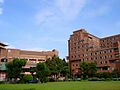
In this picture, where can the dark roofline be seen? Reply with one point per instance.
(3, 44)
(86, 32)
(110, 36)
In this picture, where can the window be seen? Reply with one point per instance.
(91, 58)
(86, 58)
(75, 56)
(76, 64)
(105, 62)
(91, 54)
(100, 57)
(105, 57)
(95, 53)
(83, 59)
(105, 51)
(111, 56)
(110, 50)
(95, 58)
(72, 56)
(83, 55)
(101, 62)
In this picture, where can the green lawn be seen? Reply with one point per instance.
(82, 85)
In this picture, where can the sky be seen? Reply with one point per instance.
(47, 24)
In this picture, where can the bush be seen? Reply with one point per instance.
(115, 79)
(27, 78)
(2, 82)
(94, 79)
(45, 79)
(108, 79)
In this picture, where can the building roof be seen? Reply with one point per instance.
(2, 44)
(110, 36)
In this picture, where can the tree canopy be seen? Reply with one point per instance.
(42, 71)
(57, 66)
(14, 68)
(88, 69)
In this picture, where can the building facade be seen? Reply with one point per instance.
(32, 57)
(83, 46)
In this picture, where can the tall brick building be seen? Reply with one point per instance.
(83, 46)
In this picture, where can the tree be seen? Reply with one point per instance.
(115, 74)
(27, 78)
(57, 67)
(84, 69)
(88, 69)
(32, 70)
(92, 69)
(14, 68)
(42, 72)
(65, 71)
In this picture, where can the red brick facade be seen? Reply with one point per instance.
(32, 57)
(83, 46)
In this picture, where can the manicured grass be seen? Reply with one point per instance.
(82, 85)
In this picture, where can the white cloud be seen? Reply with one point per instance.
(1, 1)
(41, 17)
(70, 8)
(1, 8)
(1, 11)
(60, 9)
(98, 11)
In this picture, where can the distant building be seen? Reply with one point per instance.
(32, 57)
(83, 46)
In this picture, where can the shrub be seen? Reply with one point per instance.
(108, 79)
(94, 79)
(2, 82)
(27, 78)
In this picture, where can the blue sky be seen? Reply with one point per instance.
(47, 24)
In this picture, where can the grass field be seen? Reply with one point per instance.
(83, 85)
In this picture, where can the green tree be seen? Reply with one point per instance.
(84, 69)
(57, 67)
(115, 74)
(88, 69)
(65, 71)
(106, 75)
(32, 70)
(26, 78)
(92, 69)
(14, 68)
(42, 72)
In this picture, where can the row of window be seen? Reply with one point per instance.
(108, 39)
(75, 65)
(86, 50)
(96, 58)
(102, 62)
(85, 55)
